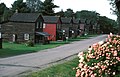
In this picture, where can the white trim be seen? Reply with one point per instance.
(37, 25)
(26, 36)
(0, 26)
(44, 25)
(0, 35)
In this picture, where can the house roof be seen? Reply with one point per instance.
(88, 22)
(66, 20)
(82, 21)
(24, 17)
(76, 21)
(50, 19)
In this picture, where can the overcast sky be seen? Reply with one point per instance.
(100, 6)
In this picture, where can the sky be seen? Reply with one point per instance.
(100, 6)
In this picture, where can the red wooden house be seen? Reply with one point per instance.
(52, 25)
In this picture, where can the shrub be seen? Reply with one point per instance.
(101, 60)
(30, 43)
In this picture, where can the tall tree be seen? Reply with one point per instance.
(20, 6)
(107, 25)
(85, 14)
(34, 5)
(60, 13)
(48, 7)
(4, 12)
(115, 11)
(69, 13)
(2, 8)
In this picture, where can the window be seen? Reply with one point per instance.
(0, 35)
(41, 24)
(26, 36)
(44, 25)
(0, 26)
(37, 25)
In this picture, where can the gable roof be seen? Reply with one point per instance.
(76, 21)
(50, 19)
(24, 17)
(83, 21)
(66, 20)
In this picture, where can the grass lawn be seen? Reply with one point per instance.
(60, 70)
(12, 49)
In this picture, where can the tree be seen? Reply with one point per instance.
(60, 13)
(48, 7)
(20, 6)
(2, 8)
(107, 25)
(115, 11)
(69, 13)
(34, 5)
(4, 12)
(85, 14)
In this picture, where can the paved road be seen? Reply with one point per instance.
(14, 66)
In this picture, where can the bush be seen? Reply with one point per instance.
(30, 43)
(101, 60)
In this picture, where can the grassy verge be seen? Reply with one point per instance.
(60, 70)
(12, 49)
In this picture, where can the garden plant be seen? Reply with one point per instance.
(101, 60)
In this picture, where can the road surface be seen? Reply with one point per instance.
(14, 66)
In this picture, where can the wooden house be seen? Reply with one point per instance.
(67, 27)
(52, 25)
(23, 27)
(75, 28)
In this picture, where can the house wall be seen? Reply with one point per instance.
(50, 29)
(19, 29)
(66, 28)
(82, 28)
(75, 28)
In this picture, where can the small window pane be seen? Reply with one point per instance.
(26, 36)
(0, 26)
(0, 35)
(37, 26)
(44, 25)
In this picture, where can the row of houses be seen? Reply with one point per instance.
(41, 29)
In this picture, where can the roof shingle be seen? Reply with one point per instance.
(66, 20)
(24, 17)
(50, 19)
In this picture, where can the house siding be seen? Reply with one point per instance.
(51, 29)
(19, 29)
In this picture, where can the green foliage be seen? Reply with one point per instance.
(30, 43)
(107, 25)
(12, 49)
(20, 6)
(69, 13)
(2, 8)
(34, 5)
(101, 60)
(60, 13)
(48, 7)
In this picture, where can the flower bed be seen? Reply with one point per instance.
(101, 60)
